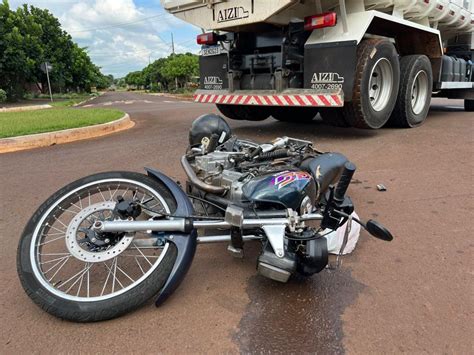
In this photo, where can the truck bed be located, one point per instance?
(449, 16)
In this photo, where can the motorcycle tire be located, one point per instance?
(82, 202)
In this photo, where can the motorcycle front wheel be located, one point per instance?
(74, 274)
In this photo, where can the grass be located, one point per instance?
(62, 100)
(13, 124)
(69, 102)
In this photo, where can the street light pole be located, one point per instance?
(172, 48)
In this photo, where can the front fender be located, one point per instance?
(185, 243)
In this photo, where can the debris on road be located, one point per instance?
(381, 187)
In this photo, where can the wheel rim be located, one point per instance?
(94, 273)
(380, 84)
(419, 92)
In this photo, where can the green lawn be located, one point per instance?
(69, 102)
(14, 124)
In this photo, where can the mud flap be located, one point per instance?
(185, 243)
(330, 66)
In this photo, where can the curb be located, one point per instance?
(25, 108)
(173, 96)
(14, 144)
(89, 99)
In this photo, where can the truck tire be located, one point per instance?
(294, 114)
(334, 117)
(376, 83)
(468, 105)
(244, 112)
(414, 95)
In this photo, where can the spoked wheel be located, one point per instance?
(74, 273)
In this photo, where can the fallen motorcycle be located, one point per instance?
(105, 244)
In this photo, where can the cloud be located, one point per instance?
(121, 36)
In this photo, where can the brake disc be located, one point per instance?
(78, 251)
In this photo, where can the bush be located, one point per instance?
(3, 95)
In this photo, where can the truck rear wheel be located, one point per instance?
(376, 83)
(294, 114)
(469, 105)
(244, 112)
(414, 96)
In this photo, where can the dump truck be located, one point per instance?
(358, 63)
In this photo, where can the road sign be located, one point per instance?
(46, 67)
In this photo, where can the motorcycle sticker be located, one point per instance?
(287, 177)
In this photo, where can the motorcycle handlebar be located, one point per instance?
(344, 181)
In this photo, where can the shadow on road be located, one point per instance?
(314, 129)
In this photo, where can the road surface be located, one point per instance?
(412, 295)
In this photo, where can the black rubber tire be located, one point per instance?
(99, 310)
(244, 112)
(334, 117)
(468, 105)
(294, 114)
(403, 115)
(359, 112)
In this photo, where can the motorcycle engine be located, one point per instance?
(221, 168)
(236, 167)
(261, 178)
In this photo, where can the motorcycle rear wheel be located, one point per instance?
(80, 277)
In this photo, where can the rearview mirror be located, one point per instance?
(378, 230)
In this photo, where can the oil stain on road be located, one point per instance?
(303, 315)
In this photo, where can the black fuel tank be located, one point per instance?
(285, 188)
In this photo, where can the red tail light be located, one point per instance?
(207, 38)
(327, 19)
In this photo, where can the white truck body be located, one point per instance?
(441, 30)
(449, 17)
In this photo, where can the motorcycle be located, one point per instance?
(105, 244)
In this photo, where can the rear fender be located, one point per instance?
(185, 243)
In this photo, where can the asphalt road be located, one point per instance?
(412, 295)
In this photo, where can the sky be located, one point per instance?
(121, 35)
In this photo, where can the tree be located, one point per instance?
(153, 74)
(164, 71)
(181, 66)
(19, 44)
(31, 36)
(135, 78)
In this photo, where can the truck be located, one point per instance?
(358, 63)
